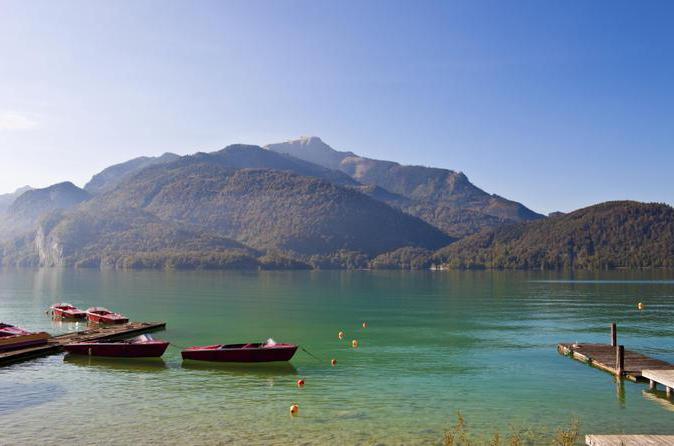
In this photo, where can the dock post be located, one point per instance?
(620, 360)
(669, 392)
(614, 335)
(652, 385)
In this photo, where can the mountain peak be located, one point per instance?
(309, 140)
(312, 149)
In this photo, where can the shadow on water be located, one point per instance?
(259, 369)
(142, 365)
(659, 397)
(18, 396)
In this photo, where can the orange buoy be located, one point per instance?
(364, 324)
(641, 305)
(333, 362)
(300, 383)
(340, 335)
(294, 409)
(354, 343)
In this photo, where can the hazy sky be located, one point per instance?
(556, 104)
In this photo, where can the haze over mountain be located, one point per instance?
(442, 197)
(7, 199)
(110, 177)
(22, 215)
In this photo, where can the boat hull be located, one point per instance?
(240, 355)
(103, 319)
(69, 314)
(118, 350)
(23, 341)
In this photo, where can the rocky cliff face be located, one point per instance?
(49, 249)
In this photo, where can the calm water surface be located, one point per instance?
(481, 342)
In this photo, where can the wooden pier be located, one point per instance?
(629, 440)
(613, 358)
(663, 377)
(100, 333)
(605, 357)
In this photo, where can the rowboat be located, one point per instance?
(254, 352)
(105, 316)
(144, 346)
(67, 311)
(12, 337)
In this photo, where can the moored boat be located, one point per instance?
(67, 311)
(254, 352)
(105, 316)
(12, 337)
(143, 346)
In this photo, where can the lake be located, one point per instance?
(483, 343)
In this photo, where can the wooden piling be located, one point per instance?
(620, 360)
(614, 335)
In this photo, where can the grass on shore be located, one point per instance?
(459, 435)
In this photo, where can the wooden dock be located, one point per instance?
(629, 440)
(604, 357)
(663, 377)
(99, 333)
(613, 358)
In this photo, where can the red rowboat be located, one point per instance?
(67, 311)
(258, 352)
(105, 316)
(144, 346)
(12, 337)
(11, 330)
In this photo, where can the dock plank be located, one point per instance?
(100, 333)
(664, 377)
(603, 356)
(629, 440)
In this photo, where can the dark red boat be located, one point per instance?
(105, 316)
(257, 352)
(144, 346)
(12, 337)
(67, 311)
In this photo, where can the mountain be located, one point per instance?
(271, 209)
(241, 156)
(110, 177)
(443, 198)
(101, 235)
(23, 214)
(617, 234)
(6, 200)
(312, 149)
(240, 207)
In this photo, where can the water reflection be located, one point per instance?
(117, 364)
(233, 368)
(659, 397)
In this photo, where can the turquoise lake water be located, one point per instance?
(483, 343)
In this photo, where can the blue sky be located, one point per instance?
(555, 104)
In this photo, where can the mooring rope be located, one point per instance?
(311, 354)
